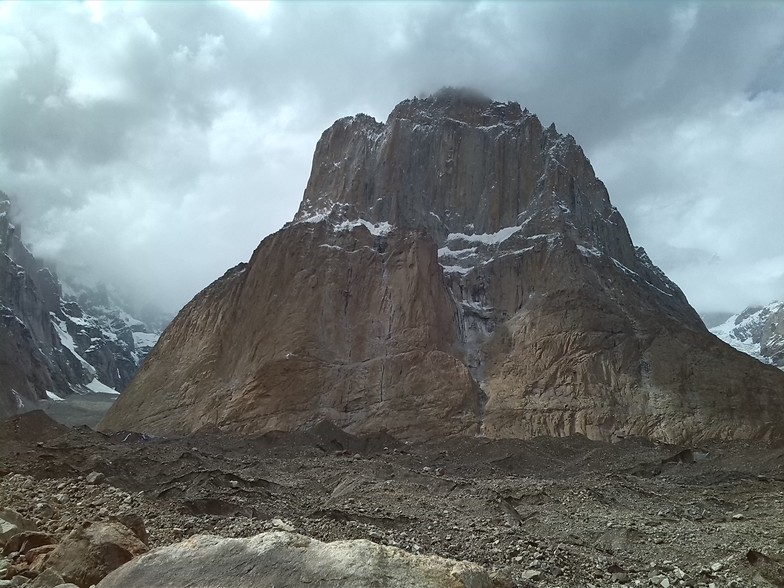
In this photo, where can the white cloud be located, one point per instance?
(704, 197)
(159, 142)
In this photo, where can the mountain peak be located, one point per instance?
(452, 162)
(757, 331)
(458, 104)
(459, 270)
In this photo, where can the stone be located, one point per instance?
(288, 560)
(36, 557)
(502, 578)
(531, 575)
(93, 550)
(458, 268)
(44, 510)
(282, 525)
(94, 478)
(12, 523)
(770, 569)
(47, 579)
(135, 523)
(27, 540)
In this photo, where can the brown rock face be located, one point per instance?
(355, 328)
(457, 270)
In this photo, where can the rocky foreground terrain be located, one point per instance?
(545, 512)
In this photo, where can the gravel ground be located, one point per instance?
(551, 512)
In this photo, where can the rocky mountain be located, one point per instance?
(456, 270)
(58, 340)
(757, 331)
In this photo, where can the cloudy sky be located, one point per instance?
(153, 145)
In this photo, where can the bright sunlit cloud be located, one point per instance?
(255, 9)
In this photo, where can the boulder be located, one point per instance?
(93, 550)
(28, 540)
(48, 579)
(288, 560)
(12, 523)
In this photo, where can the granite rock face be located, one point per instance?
(347, 326)
(456, 270)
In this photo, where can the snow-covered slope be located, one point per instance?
(58, 340)
(757, 331)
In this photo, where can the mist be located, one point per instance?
(151, 146)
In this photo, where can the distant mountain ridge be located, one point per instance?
(757, 331)
(57, 339)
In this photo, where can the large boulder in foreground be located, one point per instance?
(288, 560)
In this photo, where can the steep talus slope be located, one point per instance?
(456, 269)
(758, 331)
(50, 346)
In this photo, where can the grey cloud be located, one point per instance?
(199, 135)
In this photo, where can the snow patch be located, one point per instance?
(319, 215)
(100, 388)
(589, 251)
(456, 253)
(485, 238)
(53, 396)
(378, 229)
(456, 269)
(511, 252)
(18, 399)
(142, 340)
(623, 268)
(67, 341)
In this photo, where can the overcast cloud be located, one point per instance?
(153, 145)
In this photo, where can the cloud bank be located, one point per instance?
(153, 145)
